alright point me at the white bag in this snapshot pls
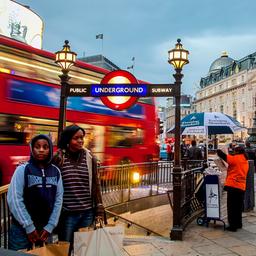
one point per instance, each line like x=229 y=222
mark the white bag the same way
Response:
x=104 y=241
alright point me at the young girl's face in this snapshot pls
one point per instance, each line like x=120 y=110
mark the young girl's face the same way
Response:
x=77 y=141
x=41 y=150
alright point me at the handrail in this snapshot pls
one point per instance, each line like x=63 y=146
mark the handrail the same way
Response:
x=4 y=189
x=130 y=222
x=156 y=178
x=4 y=216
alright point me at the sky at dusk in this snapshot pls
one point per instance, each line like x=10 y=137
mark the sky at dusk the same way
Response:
x=147 y=29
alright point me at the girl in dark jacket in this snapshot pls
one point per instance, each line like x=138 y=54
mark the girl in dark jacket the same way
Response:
x=82 y=201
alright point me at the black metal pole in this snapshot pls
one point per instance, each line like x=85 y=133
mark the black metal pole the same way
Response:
x=63 y=102
x=176 y=232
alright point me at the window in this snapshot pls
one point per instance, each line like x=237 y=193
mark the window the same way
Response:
x=234 y=110
x=124 y=136
x=20 y=129
x=254 y=102
x=233 y=81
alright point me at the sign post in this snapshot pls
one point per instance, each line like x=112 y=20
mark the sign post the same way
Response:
x=120 y=95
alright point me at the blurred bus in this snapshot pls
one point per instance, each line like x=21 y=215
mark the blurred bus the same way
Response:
x=29 y=97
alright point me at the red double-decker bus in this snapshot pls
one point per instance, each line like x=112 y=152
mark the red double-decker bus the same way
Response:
x=29 y=105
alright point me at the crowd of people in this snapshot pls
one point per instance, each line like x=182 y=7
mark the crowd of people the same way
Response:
x=191 y=152
x=61 y=192
x=236 y=158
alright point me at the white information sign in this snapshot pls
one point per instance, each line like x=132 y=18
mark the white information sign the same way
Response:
x=212 y=201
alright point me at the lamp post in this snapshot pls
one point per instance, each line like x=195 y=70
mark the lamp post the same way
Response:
x=252 y=132
x=65 y=59
x=178 y=57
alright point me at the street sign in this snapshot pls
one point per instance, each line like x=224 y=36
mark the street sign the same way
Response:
x=119 y=77
x=132 y=90
x=81 y=90
x=120 y=90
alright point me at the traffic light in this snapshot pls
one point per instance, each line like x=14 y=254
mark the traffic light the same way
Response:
x=161 y=127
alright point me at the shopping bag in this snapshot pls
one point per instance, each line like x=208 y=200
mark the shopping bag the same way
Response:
x=103 y=241
x=56 y=249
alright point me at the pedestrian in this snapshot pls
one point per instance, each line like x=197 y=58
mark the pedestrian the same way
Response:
x=183 y=149
x=251 y=152
x=194 y=152
x=235 y=184
x=34 y=197
x=231 y=147
x=82 y=201
x=169 y=150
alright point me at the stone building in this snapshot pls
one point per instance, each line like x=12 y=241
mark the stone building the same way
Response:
x=230 y=88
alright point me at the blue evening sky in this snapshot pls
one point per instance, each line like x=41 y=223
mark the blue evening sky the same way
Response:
x=147 y=29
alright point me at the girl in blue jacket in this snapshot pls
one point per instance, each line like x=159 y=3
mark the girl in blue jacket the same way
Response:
x=35 y=196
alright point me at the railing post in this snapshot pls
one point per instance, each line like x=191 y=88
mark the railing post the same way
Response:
x=129 y=184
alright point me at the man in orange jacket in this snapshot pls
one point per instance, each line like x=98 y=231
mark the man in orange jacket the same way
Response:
x=235 y=185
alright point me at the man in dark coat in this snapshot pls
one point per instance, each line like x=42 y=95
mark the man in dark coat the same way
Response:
x=194 y=152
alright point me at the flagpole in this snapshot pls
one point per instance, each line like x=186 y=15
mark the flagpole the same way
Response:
x=102 y=46
x=133 y=65
x=100 y=36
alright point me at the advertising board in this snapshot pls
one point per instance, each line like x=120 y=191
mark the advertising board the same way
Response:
x=20 y=23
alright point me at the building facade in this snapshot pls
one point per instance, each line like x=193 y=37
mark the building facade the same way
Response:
x=230 y=88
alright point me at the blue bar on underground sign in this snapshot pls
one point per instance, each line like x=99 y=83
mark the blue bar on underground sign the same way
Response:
x=135 y=90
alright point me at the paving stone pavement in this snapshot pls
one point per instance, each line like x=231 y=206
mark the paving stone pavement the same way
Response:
x=198 y=240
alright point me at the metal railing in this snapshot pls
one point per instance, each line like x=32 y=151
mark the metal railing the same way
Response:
x=118 y=186
x=4 y=216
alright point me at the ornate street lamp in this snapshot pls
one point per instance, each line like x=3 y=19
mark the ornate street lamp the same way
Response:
x=65 y=59
x=178 y=57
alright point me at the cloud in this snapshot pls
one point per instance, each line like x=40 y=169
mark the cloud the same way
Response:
x=204 y=49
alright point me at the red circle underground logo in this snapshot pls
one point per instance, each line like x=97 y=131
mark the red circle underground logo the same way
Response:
x=119 y=102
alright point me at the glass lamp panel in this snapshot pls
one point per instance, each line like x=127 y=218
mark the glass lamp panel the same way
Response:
x=171 y=55
x=176 y=54
x=57 y=56
x=61 y=56
x=184 y=55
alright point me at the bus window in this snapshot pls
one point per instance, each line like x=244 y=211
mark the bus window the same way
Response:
x=124 y=137
x=20 y=129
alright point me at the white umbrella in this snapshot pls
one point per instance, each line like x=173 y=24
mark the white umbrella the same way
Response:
x=208 y=123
